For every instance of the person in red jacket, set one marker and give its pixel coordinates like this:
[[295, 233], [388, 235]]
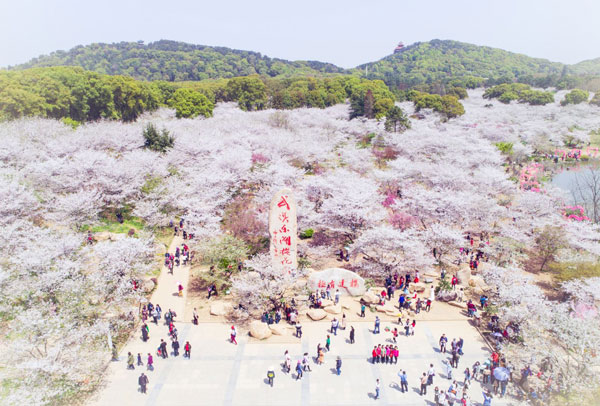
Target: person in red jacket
[[188, 349]]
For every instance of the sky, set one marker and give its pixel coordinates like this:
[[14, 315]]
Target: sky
[[346, 33]]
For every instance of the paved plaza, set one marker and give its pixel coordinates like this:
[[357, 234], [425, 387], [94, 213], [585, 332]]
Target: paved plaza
[[220, 373]]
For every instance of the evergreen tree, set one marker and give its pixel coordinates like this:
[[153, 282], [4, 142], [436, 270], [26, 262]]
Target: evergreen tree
[[368, 106]]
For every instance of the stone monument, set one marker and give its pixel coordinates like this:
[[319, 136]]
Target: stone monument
[[283, 228]]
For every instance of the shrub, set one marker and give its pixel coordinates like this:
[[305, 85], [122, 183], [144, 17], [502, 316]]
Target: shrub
[[190, 103], [308, 233], [159, 142], [575, 96]]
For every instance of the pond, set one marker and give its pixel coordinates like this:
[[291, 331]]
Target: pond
[[582, 184]]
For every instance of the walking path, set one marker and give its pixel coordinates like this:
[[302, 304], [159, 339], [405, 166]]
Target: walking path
[[166, 295]]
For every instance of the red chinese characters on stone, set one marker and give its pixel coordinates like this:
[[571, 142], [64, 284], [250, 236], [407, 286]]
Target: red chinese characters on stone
[[283, 203], [353, 283], [321, 284], [286, 240], [283, 217]]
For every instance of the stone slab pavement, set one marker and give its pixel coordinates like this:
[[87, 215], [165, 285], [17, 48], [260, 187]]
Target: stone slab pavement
[[221, 373]]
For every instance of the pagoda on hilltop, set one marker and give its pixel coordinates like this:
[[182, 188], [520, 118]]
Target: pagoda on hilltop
[[400, 47]]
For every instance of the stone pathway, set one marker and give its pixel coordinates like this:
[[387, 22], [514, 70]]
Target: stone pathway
[[166, 295]]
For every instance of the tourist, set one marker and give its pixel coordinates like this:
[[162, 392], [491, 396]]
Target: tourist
[[467, 380], [448, 370], [232, 335], [298, 330], [375, 357], [377, 389], [188, 350], [195, 317], [179, 289], [428, 304], [334, 326], [424, 383], [155, 316], [403, 382], [175, 345], [328, 343], [430, 374], [321, 355], [298, 370], [143, 381], [436, 396], [145, 331], [150, 363], [305, 362], [394, 334], [163, 349], [483, 300], [351, 334], [362, 310], [328, 292], [287, 362], [376, 328], [443, 342], [343, 323], [338, 365], [337, 296], [454, 282], [130, 361], [139, 360], [271, 375], [407, 327], [459, 346], [487, 399], [159, 310]]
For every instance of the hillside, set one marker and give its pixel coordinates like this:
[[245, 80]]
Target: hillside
[[176, 61], [588, 67], [441, 60]]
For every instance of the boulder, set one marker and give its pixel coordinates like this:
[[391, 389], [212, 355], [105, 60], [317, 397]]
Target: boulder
[[102, 236], [477, 281], [371, 297], [277, 329], [445, 296], [148, 285], [388, 307], [326, 302], [220, 308], [348, 282], [316, 314], [260, 330], [417, 287], [464, 276], [334, 309]]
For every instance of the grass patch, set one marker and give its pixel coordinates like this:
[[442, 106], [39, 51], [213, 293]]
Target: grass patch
[[164, 235], [115, 227], [566, 271]]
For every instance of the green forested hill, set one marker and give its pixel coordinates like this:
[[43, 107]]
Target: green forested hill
[[589, 67], [176, 61], [440, 61]]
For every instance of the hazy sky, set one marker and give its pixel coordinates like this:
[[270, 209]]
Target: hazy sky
[[346, 33]]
